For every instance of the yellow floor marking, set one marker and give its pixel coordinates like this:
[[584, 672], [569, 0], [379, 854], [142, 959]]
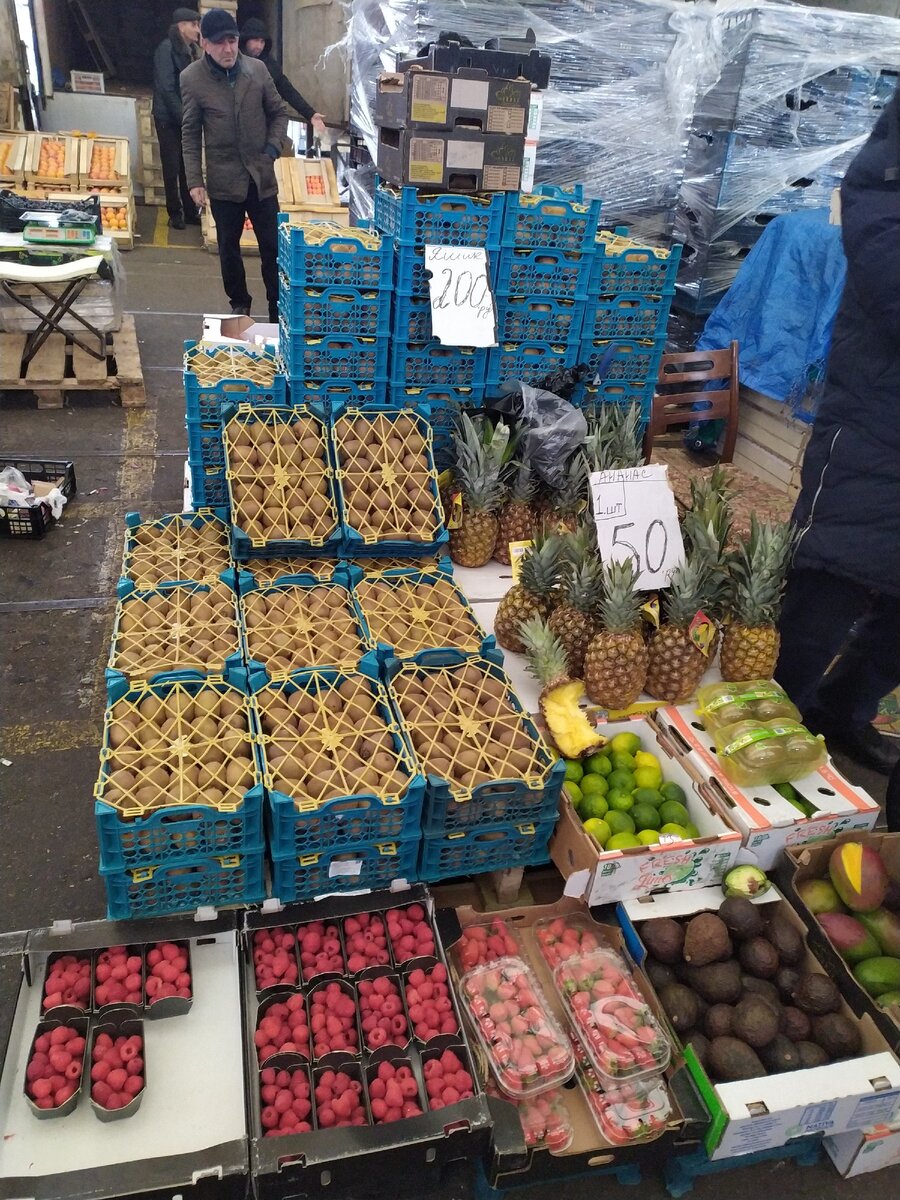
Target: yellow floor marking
[[18, 741], [161, 228]]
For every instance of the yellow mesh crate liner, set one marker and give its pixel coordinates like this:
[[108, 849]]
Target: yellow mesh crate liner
[[387, 477], [416, 612], [212, 365], [157, 552], [167, 748], [329, 739], [315, 233], [279, 476], [291, 628], [465, 728], [268, 571], [374, 568], [180, 628], [617, 244]]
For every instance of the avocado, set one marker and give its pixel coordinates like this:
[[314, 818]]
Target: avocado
[[786, 981], [817, 994], [755, 1022], [837, 1035], [718, 983], [706, 940], [659, 974], [781, 1054], [718, 1020], [788, 942], [742, 919], [700, 1045], [730, 1059], [811, 1055], [764, 988], [664, 939], [680, 1006], [759, 957], [795, 1024]]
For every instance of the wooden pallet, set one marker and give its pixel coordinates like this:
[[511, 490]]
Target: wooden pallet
[[61, 368], [155, 197]]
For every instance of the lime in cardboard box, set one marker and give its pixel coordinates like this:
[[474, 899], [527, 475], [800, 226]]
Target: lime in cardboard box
[[602, 876], [768, 822], [770, 1111]]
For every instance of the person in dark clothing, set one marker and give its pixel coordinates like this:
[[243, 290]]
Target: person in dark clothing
[[231, 109], [256, 42], [843, 591], [178, 51]]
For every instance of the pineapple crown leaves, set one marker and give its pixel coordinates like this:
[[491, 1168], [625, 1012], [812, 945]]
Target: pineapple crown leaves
[[757, 571], [581, 585], [521, 484], [613, 442], [703, 541], [711, 507], [686, 592], [571, 493], [581, 546], [542, 565], [546, 654], [620, 605], [480, 458]]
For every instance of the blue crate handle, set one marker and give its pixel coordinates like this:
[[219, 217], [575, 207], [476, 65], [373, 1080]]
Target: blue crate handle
[[575, 192]]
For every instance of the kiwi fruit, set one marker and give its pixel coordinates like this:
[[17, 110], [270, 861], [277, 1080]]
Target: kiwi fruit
[[412, 613]]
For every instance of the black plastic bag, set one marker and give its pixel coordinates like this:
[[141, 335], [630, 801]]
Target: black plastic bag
[[13, 208], [551, 428]]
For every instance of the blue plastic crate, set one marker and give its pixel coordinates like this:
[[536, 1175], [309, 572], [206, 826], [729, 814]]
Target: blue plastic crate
[[205, 403], [348, 258], [334, 356], [622, 392], [622, 358], [412, 318], [444, 405], [205, 443], [492, 848], [623, 265], [184, 885], [501, 805], [310, 311], [326, 394], [538, 319], [448, 219], [209, 487], [628, 315], [550, 217], [426, 364], [528, 361], [411, 278], [348, 869], [299, 823], [180, 547], [559, 274]]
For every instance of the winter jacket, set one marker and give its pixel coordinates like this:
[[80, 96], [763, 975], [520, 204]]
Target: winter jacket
[[254, 28], [171, 57], [848, 510], [242, 120]]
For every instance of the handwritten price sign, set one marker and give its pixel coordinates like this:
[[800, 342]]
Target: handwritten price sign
[[462, 304], [634, 511]]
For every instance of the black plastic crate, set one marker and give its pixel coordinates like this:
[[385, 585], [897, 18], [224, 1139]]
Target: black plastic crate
[[34, 522]]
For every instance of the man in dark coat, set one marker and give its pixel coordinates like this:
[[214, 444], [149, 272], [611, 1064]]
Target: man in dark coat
[[843, 593], [177, 51], [231, 105], [256, 42]]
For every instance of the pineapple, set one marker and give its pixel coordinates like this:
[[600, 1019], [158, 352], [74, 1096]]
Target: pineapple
[[615, 665], [676, 665], [569, 728], [479, 466], [533, 595], [573, 620], [517, 517], [568, 499], [757, 574], [613, 440], [706, 531]]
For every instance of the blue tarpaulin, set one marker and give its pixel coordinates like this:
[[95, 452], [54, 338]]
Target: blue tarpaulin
[[781, 308]]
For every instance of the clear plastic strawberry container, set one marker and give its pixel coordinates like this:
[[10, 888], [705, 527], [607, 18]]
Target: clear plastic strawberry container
[[627, 1113], [571, 936], [527, 1051], [620, 1035], [486, 942], [545, 1119]]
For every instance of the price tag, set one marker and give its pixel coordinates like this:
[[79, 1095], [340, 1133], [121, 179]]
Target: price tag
[[350, 866], [517, 551], [462, 304], [634, 511]]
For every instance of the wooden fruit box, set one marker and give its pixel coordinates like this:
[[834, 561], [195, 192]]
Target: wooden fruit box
[[334, 214], [14, 147], [771, 442], [53, 160], [306, 183], [211, 240], [104, 162], [116, 211]]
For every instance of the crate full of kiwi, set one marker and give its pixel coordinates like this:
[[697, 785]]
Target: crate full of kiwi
[[177, 548]]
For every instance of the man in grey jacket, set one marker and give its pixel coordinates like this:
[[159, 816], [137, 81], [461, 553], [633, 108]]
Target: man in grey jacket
[[231, 105]]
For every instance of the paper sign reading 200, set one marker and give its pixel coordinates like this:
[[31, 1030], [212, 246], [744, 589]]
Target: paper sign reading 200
[[462, 305], [634, 511]]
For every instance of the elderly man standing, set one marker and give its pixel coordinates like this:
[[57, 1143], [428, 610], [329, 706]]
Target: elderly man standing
[[231, 105]]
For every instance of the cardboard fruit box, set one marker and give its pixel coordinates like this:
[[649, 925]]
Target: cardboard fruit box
[[811, 862], [603, 876], [53, 160], [861, 1151], [14, 147], [762, 1114], [768, 823], [104, 161]]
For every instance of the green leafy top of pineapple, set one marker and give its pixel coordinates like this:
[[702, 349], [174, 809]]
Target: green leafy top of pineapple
[[757, 571], [547, 660], [613, 441], [481, 452], [686, 592], [704, 539], [542, 564], [571, 495], [620, 604], [521, 483], [581, 585], [580, 546]]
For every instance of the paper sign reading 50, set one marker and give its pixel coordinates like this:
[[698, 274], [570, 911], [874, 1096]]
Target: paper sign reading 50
[[634, 511]]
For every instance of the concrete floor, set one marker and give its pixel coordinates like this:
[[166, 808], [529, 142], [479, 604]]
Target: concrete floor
[[56, 608]]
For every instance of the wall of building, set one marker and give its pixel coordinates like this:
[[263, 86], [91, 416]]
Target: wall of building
[[308, 28]]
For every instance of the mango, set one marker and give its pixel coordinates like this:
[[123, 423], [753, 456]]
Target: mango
[[819, 896], [878, 975], [859, 877], [889, 999], [885, 928], [853, 941]]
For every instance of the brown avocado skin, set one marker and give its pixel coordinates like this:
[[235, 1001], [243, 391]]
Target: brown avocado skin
[[706, 940], [836, 1035], [759, 957], [718, 983], [664, 939], [742, 919], [754, 1022], [816, 994], [731, 1059]]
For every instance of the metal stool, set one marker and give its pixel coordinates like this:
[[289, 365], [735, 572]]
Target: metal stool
[[72, 276]]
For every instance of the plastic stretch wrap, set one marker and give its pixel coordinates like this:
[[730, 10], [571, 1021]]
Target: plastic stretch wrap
[[101, 302]]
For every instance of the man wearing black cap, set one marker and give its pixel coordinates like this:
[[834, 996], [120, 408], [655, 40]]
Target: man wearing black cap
[[177, 51], [231, 106]]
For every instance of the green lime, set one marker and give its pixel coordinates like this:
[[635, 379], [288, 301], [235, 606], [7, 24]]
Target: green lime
[[691, 830], [598, 830], [594, 785], [598, 764], [574, 770], [622, 761], [643, 758], [648, 777], [621, 781], [673, 829], [619, 822], [622, 841], [628, 743], [574, 792], [593, 807], [645, 816], [673, 791], [648, 837], [620, 801], [645, 795], [673, 813]]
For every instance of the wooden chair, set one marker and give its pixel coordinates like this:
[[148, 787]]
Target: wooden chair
[[681, 395]]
